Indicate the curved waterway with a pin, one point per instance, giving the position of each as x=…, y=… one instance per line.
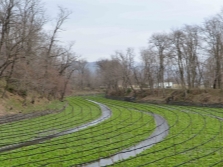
x=106, y=114
x=161, y=131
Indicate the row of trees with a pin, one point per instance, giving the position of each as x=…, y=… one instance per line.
x=30, y=57
x=34, y=59
x=191, y=56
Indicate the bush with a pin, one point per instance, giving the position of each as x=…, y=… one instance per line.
x=129, y=90
x=10, y=89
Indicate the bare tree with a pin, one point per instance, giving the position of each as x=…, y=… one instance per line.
x=212, y=30
x=30, y=58
x=82, y=71
x=61, y=18
x=160, y=44
x=127, y=65
x=177, y=41
x=191, y=48
x=20, y=24
x=148, y=68
x=109, y=73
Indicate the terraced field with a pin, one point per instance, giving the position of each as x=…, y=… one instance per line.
x=193, y=136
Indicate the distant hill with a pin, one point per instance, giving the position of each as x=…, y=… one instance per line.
x=92, y=66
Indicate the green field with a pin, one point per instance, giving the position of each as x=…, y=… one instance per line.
x=195, y=135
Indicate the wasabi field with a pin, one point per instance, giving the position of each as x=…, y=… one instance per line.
x=95, y=131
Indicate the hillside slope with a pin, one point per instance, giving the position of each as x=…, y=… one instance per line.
x=176, y=96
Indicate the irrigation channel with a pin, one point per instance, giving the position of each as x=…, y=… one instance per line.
x=157, y=136
x=101, y=132
x=160, y=132
x=106, y=114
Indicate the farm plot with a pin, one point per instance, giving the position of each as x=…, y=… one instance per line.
x=195, y=137
x=123, y=129
x=77, y=112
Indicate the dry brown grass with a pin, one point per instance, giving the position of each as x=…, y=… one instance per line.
x=13, y=103
x=207, y=96
x=87, y=92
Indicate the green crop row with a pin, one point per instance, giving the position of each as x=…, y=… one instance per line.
x=77, y=112
x=123, y=129
x=195, y=137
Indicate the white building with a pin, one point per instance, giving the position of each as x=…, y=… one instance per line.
x=164, y=85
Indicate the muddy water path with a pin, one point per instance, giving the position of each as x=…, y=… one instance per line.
x=160, y=132
x=106, y=114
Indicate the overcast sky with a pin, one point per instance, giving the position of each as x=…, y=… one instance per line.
x=99, y=27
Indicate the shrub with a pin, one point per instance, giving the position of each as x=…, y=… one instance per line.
x=129, y=90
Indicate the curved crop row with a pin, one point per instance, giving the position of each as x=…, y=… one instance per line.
x=195, y=137
x=77, y=112
x=87, y=145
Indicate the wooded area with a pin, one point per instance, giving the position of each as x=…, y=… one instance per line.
x=190, y=56
x=32, y=58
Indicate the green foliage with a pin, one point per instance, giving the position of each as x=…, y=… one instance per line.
x=102, y=140
x=24, y=130
x=129, y=90
x=194, y=139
